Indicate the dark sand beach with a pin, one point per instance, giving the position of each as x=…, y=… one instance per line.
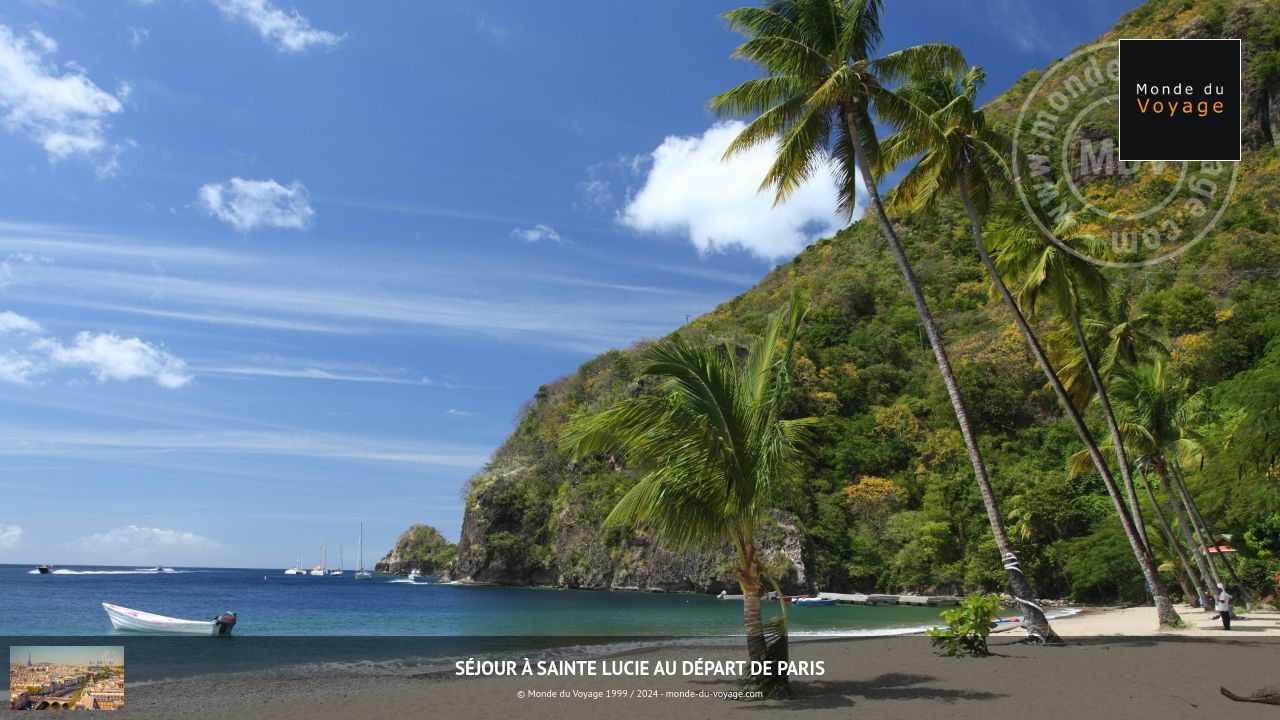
x=1169, y=676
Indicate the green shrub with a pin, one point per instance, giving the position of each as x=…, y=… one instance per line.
x=967, y=625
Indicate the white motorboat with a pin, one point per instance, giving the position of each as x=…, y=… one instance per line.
x=123, y=618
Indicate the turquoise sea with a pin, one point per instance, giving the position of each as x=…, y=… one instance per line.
x=336, y=626
x=69, y=602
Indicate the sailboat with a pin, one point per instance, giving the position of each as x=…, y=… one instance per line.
x=361, y=573
x=297, y=569
x=324, y=552
x=335, y=573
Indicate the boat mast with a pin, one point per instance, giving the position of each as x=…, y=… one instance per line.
x=361, y=547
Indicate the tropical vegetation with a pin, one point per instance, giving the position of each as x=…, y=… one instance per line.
x=977, y=395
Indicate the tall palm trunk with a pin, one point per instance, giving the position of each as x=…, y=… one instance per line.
x=1207, y=533
x=1033, y=619
x=749, y=577
x=1122, y=458
x=1179, y=512
x=1201, y=597
x=1168, y=617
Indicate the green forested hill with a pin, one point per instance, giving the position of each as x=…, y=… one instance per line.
x=889, y=502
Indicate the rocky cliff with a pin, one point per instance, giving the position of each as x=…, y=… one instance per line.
x=420, y=548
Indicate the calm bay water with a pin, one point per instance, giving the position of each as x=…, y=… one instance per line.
x=69, y=602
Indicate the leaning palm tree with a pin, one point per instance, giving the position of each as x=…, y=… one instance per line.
x=1162, y=415
x=960, y=154
x=1044, y=273
x=821, y=87
x=711, y=450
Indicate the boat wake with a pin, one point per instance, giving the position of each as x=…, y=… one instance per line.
x=138, y=571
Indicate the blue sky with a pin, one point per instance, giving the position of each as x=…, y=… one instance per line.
x=66, y=654
x=269, y=269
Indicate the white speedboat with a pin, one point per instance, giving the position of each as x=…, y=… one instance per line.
x=123, y=618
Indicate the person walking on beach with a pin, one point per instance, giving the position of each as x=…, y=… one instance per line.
x=1223, y=606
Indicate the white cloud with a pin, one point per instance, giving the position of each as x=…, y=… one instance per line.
x=537, y=233
x=10, y=536
x=691, y=190
x=460, y=413
x=17, y=369
x=146, y=539
x=111, y=357
x=59, y=108
x=248, y=204
x=287, y=31
x=12, y=322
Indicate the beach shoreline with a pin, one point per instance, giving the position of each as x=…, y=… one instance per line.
x=1111, y=665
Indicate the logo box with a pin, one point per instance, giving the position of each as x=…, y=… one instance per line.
x=1180, y=100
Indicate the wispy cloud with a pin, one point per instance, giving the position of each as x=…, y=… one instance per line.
x=10, y=536
x=137, y=35
x=249, y=204
x=312, y=373
x=537, y=233
x=29, y=441
x=289, y=32
x=349, y=294
x=61, y=109
x=144, y=541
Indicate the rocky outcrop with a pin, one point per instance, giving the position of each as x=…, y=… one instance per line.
x=421, y=548
x=506, y=540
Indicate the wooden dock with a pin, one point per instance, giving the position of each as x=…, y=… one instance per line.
x=919, y=600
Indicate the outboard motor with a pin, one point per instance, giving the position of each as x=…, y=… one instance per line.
x=225, y=622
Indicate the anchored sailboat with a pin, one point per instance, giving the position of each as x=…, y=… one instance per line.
x=324, y=551
x=297, y=569
x=361, y=573
x=338, y=572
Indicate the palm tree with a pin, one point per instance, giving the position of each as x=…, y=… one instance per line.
x=821, y=85
x=1166, y=415
x=1046, y=273
x=711, y=450
x=959, y=153
x=1175, y=547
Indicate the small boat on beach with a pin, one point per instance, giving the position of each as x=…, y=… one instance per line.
x=44, y=569
x=123, y=618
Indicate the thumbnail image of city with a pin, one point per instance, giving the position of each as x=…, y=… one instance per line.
x=66, y=677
